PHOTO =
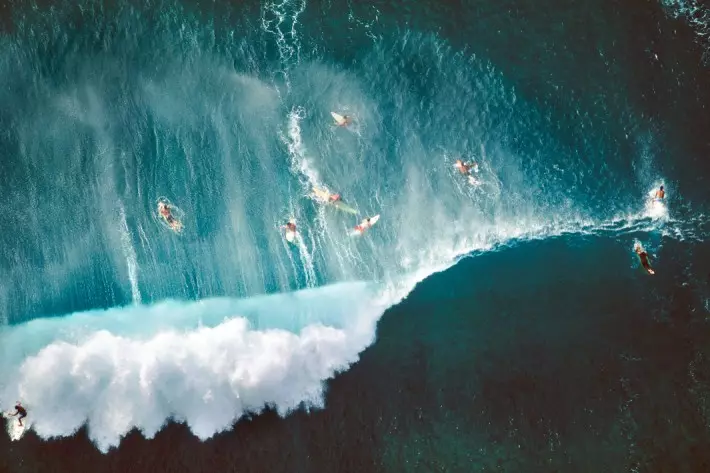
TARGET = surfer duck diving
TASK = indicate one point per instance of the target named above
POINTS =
(466, 168)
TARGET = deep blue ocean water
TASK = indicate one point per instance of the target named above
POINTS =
(500, 327)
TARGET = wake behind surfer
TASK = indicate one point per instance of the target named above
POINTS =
(19, 410)
(643, 256)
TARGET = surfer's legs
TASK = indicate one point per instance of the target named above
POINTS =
(19, 419)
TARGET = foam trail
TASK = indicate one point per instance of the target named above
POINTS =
(281, 20)
(130, 254)
(297, 150)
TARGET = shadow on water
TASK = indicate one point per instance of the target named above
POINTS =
(493, 365)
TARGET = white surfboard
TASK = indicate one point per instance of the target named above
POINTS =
(290, 236)
(14, 429)
(373, 221)
(339, 119)
(655, 207)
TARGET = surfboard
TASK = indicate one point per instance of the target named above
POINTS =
(339, 119)
(321, 194)
(344, 207)
(373, 221)
(14, 429)
(324, 196)
(290, 236)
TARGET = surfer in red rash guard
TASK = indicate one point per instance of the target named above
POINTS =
(643, 256)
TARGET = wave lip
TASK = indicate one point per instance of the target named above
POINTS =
(206, 377)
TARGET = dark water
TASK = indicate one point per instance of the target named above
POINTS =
(548, 349)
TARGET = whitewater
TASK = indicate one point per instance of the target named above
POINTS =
(112, 322)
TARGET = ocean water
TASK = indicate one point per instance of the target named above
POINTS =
(504, 326)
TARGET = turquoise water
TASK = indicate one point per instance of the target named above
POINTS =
(518, 332)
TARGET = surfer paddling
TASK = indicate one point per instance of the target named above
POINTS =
(325, 196)
(643, 256)
(365, 225)
(290, 227)
(167, 215)
(341, 120)
(19, 410)
(466, 168)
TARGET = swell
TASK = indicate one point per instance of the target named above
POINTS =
(163, 103)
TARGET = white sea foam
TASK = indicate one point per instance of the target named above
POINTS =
(204, 363)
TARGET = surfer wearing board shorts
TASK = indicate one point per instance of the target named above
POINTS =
(643, 256)
(19, 410)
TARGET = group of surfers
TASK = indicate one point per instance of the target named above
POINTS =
(463, 167)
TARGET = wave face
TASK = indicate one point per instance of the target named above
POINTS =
(226, 114)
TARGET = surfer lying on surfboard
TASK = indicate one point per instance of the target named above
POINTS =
(166, 214)
(19, 410)
(643, 256)
(366, 224)
(341, 120)
(325, 196)
(466, 168)
(290, 232)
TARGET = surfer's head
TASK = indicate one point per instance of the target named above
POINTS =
(661, 187)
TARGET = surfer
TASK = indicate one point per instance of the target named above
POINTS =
(347, 120)
(19, 410)
(364, 225)
(643, 256)
(334, 198)
(660, 194)
(164, 210)
(290, 226)
(465, 168)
